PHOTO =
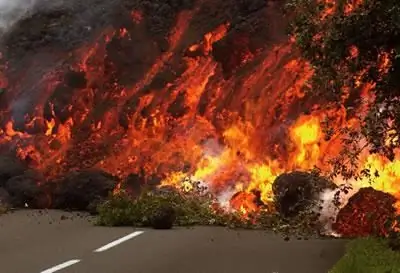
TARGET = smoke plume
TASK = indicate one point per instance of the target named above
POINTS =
(332, 201)
(11, 11)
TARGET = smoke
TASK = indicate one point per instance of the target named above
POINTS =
(11, 11)
(332, 201)
(224, 198)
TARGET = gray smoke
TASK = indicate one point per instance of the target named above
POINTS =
(11, 11)
(329, 210)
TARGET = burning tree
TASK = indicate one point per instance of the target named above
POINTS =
(354, 47)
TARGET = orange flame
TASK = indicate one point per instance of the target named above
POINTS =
(185, 118)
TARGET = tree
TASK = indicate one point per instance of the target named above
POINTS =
(353, 45)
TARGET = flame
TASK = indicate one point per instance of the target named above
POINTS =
(188, 116)
(243, 202)
(306, 134)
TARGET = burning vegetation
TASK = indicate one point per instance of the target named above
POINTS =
(169, 97)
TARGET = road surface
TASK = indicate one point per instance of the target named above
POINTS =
(53, 241)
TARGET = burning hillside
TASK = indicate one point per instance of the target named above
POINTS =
(159, 92)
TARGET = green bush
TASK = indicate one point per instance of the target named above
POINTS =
(143, 211)
(161, 209)
(369, 255)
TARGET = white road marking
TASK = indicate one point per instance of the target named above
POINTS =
(119, 241)
(60, 266)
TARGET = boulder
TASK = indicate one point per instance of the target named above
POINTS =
(10, 167)
(297, 192)
(135, 183)
(5, 201)
(79, 189)
(24, 190)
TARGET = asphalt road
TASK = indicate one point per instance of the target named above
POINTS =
(34, 242)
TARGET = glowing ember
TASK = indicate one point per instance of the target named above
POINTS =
(366, 213)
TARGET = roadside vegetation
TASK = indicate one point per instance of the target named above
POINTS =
(3, 209)
(165, 209)
(368, 255)
(159, 210)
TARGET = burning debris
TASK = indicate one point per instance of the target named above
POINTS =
(366, 213)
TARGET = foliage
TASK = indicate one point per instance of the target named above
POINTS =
(3, 209)
(350, 49)
(368, 255)
(192, 209)
(121, 209)
(393, 228)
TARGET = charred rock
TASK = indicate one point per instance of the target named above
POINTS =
(5, 199)
(298, 192)
(24, 190)
(135, 183)
(78, 189)
(10, 167)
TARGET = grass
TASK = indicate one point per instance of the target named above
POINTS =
(368, 255)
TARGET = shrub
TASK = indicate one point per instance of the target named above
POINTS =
(159, 210)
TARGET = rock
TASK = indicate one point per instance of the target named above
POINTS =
(92, 207)
(78, 189)
(366, 213)
(163, 217)
(298, 192)
(24, 190)
(5, 200)
(10, 167)
(135, 183)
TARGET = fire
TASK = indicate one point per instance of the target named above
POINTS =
(216, 108)
(305, 135)
(385, 175)
(352, 5)
(243, 202)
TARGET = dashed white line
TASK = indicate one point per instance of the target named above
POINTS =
(119, 241)
(60, 266)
